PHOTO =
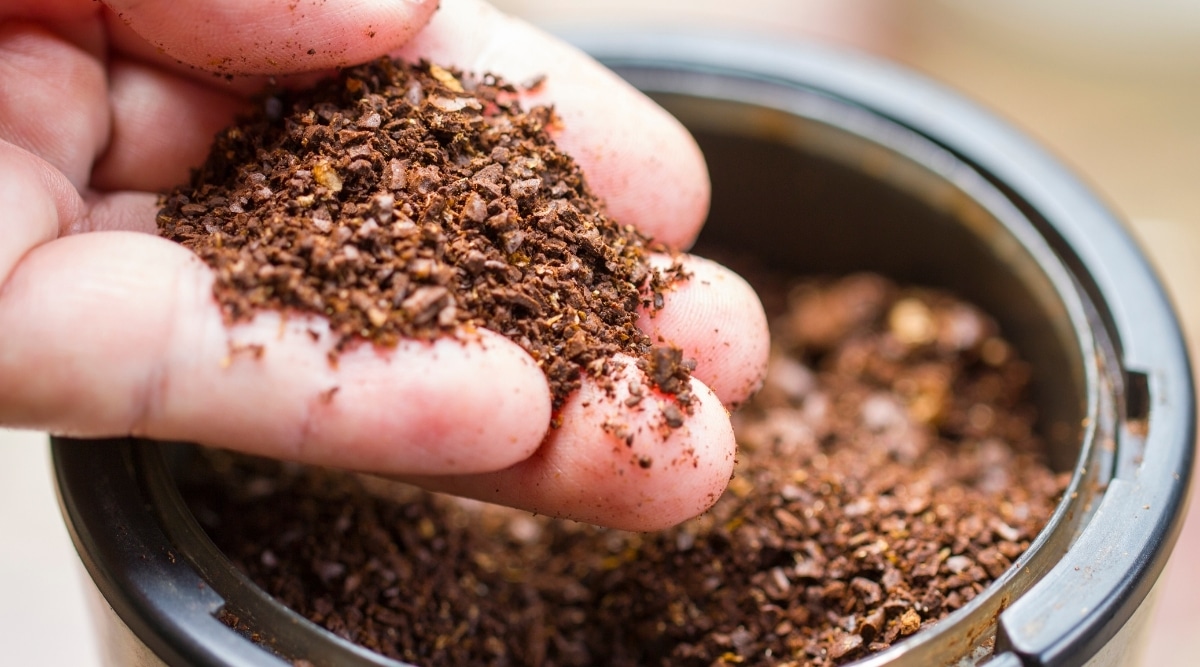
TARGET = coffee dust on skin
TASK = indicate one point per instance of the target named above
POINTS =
(888, 473)
(403, 201)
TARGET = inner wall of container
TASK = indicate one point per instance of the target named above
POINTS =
(805, 198)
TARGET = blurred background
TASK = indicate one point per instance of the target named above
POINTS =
(1112, 87)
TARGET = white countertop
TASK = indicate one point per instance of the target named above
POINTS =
(44, 618)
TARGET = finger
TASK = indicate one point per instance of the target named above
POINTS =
(615, 465)
(162, 126)
(129, 45)
(716, 318)
(52, 99)
(118, 333)
(635, 155)
(269, 37)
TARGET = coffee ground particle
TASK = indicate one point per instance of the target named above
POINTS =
(888, 473)
(411, 201)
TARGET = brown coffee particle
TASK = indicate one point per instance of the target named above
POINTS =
(841, 532)
(415, 201)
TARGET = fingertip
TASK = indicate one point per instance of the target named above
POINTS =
(716, 317)
(636, 472)
(683, 473)
(615, 463)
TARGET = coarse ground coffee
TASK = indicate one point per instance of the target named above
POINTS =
(413, 201)
(888, 472)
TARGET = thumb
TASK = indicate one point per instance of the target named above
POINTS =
(273, 37)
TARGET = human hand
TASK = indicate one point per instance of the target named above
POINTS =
(110, 330)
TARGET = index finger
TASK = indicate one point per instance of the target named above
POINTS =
(239, 37)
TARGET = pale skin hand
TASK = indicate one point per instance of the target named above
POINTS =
(109, 330)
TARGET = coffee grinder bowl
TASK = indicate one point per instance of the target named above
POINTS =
(852, 164)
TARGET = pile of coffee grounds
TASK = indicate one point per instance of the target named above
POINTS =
(888, 473)
(413, 201)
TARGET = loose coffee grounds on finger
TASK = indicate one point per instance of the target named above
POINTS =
(411, 201)
(888, 473)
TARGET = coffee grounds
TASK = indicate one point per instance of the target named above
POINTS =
(888, 473)
(412, 201)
